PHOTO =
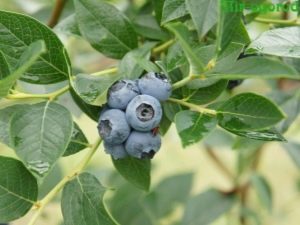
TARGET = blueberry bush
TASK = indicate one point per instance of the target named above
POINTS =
(139, 69)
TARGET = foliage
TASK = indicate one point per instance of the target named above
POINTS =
(199, 45)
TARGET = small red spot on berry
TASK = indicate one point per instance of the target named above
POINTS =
(155, 131)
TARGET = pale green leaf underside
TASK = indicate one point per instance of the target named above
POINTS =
(82, 202)
(255, 67)
(284, 42)
(206, 207)
(193, 126)
(40, 134)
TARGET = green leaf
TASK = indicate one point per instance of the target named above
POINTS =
(182, 34)
(78, 141)
(82, 202)
(171, 109)
(205, 95)
(105, 27)
(158, 7)
(20, 31)
(204, 14)
(193, 126)
(255, 67)
(161, 201)
(93, 89)
(68, 26)
(27, 59)
(136, 171)
(293, 150)
(175, 57)
(126, 202)
(164, 125)
(90, 110)
(18, 189)
(229, 56)
(206, 207)
(241, 35)
(4, 67)
(290, 105)
(130, 66)
(173, 9)
(6, 115)
(284, 42)
(40, 134)
(147, 26)
(228, 22)
(248, 112)
(263, 190)
(264, 135)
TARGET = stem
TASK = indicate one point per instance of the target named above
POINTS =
(50, 96)
(182, 82)
(218, 162)
(107, 71)
(56, 13)
(244, 190)
(78, 169)
(276, 21)
(194, 107)
(163, 46)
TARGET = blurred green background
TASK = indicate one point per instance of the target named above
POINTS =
(177, 174)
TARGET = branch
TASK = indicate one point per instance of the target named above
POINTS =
(51, 96)
(194, 107)
(223, 168)
(56, 13)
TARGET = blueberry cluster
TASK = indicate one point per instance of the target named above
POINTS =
(129, 123)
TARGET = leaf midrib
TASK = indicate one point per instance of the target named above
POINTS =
(43, 127)
(246, 115)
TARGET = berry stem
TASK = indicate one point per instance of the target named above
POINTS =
(40, 205)
(293, 22)
(50, 96)
(194, 107)
(182, 82)
(163, 46)
(107, 71)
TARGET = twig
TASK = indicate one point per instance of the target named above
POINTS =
(56, 13)
(219, 163)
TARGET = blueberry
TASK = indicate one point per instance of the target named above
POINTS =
(142, 145)
(113, 126)
(144, 113)
(116, 151)
(155, 84)
(121, 93)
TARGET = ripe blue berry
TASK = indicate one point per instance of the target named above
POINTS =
(121, 93)
(113, 126)
(144, 113)
(156, 85)
(142, 145)
(116, 151)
